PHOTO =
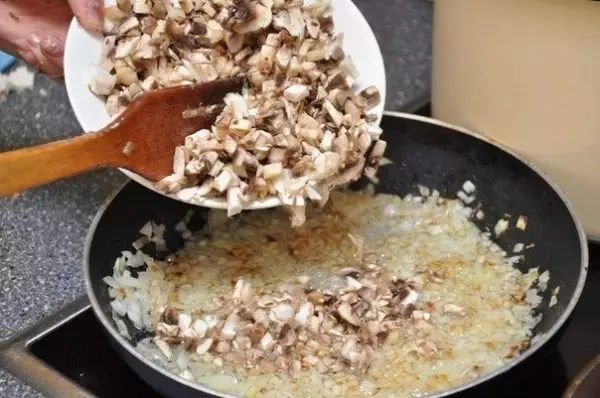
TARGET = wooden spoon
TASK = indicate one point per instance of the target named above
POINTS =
(142, 139)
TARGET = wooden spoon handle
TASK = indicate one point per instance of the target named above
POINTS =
(25, 168)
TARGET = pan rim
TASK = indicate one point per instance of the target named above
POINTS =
(583, 270)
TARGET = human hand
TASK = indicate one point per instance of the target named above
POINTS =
(35, 30)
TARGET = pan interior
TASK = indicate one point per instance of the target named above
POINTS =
(422, 153)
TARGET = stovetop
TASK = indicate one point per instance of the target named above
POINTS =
(68, 354)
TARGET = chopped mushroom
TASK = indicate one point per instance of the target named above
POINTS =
(297, 120)
(283, 312)
(102, 82)
(230, 327)
(329, 330)
(128, 148)
(345, 311)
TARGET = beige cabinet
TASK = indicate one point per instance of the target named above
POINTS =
(527, 73)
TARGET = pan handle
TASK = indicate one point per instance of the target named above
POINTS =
(40, 376)
(17, 359)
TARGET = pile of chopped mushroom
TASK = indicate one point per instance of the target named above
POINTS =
(298, 129)
(298, 327)
(250, 307)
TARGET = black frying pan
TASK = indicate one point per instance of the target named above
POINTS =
(423, 151)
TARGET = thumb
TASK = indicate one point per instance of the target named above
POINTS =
(89, 13)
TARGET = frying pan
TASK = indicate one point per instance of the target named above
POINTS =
(423, 151)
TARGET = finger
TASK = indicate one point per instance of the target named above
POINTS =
(53, 49)
(35, 31)
(89, 13)
(49, 64)
(28, 57)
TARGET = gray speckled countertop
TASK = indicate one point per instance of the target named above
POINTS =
(42, 231)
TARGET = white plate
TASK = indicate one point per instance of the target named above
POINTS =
(82, 50)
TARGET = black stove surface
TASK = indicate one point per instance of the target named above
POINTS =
(90, 362)
(79, 350)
